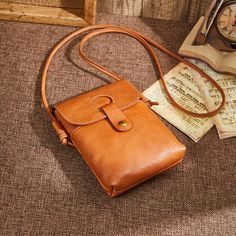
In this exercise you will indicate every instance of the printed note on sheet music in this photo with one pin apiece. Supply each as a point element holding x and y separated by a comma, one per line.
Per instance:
<point>182,87</point>
<point>226,120</point>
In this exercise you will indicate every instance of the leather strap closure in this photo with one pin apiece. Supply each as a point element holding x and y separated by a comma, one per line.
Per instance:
<point>117,117</point>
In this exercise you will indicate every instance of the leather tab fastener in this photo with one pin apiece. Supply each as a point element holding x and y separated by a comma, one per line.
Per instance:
<point>118,119</point>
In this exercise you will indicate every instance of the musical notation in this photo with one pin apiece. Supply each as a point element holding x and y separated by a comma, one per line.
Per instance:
<point>226,120</point>
<point>196,94</point>
<point>182,87</point>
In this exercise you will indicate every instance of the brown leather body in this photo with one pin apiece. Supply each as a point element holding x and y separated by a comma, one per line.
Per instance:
<point>120,156</point>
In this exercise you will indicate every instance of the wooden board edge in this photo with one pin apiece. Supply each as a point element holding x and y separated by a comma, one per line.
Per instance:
<point>41,14</point>
<point>90,11</point>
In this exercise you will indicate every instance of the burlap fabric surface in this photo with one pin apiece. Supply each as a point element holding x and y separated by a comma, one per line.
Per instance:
<point>47,189</point>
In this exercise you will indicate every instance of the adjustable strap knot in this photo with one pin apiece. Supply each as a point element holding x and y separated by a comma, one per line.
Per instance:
<point>63,138</point>
<point>60,132</point>
<point>148,101</point>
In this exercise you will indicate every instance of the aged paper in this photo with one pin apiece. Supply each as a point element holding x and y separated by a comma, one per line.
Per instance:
<point>185,91</point>
<point>226,120</point>
<point>221,61</point>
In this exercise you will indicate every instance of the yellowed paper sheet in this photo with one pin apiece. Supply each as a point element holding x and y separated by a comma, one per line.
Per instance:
<point>226,120</point>
<point>185,91</point>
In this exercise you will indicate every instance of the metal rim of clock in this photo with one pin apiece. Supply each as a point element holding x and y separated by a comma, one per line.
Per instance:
<point>226,4</point>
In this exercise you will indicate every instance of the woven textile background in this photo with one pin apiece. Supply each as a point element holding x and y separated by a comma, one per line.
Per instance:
<point>47,189</point>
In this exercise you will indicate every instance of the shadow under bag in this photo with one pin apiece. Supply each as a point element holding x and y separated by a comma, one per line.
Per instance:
<point>118,135</point>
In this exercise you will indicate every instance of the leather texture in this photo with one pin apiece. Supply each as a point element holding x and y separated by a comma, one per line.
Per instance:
<point>120,159</point>
<point>121,139</point>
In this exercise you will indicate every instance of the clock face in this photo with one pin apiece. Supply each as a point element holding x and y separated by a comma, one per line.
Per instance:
<point>226,22</point>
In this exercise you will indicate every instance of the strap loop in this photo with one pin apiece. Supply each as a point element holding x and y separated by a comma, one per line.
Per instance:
<point>147,43</point>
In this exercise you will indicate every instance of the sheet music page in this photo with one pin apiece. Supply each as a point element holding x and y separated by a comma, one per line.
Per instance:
<point>226,120</point>
<point>185,91</point>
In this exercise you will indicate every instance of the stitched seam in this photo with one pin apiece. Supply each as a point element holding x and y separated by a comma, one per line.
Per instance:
<point>135,92</point>
<point>74,131</point>
<point>100,117</point>
<point>93,109</point>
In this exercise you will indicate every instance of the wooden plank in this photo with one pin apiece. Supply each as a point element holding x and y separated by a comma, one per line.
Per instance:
<point>121,7</point>
<point>185,10</point>
<point>90,11</point>
<point>181,10</point>
<point>198,9</point>
<point>51,3</point>
<point>39,14</point>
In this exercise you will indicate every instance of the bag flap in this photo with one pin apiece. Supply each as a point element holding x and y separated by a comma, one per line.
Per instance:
<point>85,109</point>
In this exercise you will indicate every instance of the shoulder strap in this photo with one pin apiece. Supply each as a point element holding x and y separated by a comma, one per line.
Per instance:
<point>147,43</point>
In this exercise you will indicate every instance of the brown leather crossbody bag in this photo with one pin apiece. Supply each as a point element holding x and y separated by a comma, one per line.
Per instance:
<point>120,138</point>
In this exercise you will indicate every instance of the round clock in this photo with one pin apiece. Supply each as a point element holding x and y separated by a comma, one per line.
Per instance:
<point>226,21</point>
